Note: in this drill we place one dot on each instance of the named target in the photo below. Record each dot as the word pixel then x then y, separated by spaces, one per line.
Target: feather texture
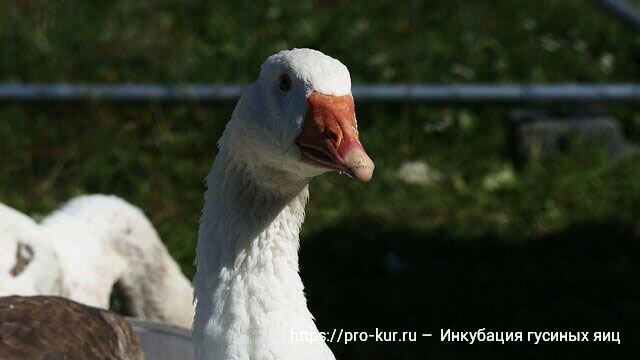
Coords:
pixel 46 327
pixel 28 266
pixel 84 249
pixel 250 301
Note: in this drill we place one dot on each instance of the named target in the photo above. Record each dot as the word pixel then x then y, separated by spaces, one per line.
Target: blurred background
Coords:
pixel 480 215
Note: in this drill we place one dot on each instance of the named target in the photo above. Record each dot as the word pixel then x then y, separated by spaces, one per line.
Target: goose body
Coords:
pixel 124 251
pixel 102 241
pixel 295 122
pixel 49 327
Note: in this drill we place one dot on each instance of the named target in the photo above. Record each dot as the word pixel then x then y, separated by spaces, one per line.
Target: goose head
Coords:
pixel 28 266
pixel 298 118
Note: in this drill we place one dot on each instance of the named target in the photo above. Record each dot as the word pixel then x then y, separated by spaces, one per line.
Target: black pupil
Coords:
pixel 285 82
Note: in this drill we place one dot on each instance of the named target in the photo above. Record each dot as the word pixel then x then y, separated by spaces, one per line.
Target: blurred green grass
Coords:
pixel 225 41
pixel 555 246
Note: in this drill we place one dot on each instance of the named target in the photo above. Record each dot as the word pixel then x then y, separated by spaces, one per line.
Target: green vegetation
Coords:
pixel 553 246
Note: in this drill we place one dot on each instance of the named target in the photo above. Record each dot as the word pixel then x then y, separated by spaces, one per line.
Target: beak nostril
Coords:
pixel 334 135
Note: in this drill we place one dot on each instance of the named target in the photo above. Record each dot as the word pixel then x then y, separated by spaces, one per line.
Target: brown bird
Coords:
pixel 49 327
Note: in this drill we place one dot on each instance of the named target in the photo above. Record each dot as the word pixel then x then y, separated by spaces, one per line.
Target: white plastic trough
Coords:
pixel 163 342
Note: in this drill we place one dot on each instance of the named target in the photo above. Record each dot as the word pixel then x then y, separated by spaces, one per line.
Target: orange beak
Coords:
pixel 330 137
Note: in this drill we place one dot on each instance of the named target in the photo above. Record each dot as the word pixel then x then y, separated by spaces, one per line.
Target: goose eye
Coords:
pixel 285 83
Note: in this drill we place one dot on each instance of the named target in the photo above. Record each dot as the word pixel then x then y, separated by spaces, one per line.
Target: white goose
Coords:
pixel 295 122
pixel 103 241
pixel 125 251
pixel 38 327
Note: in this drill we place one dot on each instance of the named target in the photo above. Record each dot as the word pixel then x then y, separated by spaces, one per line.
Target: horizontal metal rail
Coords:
pixel 622 10
pixel 476 93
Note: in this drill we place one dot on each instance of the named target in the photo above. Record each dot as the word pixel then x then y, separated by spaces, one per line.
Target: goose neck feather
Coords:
pixel 249 293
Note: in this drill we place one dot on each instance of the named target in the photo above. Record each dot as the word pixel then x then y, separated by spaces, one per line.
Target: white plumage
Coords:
pixel 99 242
pixel 295 122
pixel 28 266
pixel 250 297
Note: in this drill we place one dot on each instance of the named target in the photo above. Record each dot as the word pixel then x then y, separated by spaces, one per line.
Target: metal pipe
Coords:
pixel 475 93
pixel 507 93
pixel 623 10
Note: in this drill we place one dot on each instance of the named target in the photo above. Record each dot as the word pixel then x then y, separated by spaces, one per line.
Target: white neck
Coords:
pixel 250 297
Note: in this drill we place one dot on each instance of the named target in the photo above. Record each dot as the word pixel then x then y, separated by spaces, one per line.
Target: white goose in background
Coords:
pixel 28 266
pixel 103 241
pixel 125 251
pixel 295 122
